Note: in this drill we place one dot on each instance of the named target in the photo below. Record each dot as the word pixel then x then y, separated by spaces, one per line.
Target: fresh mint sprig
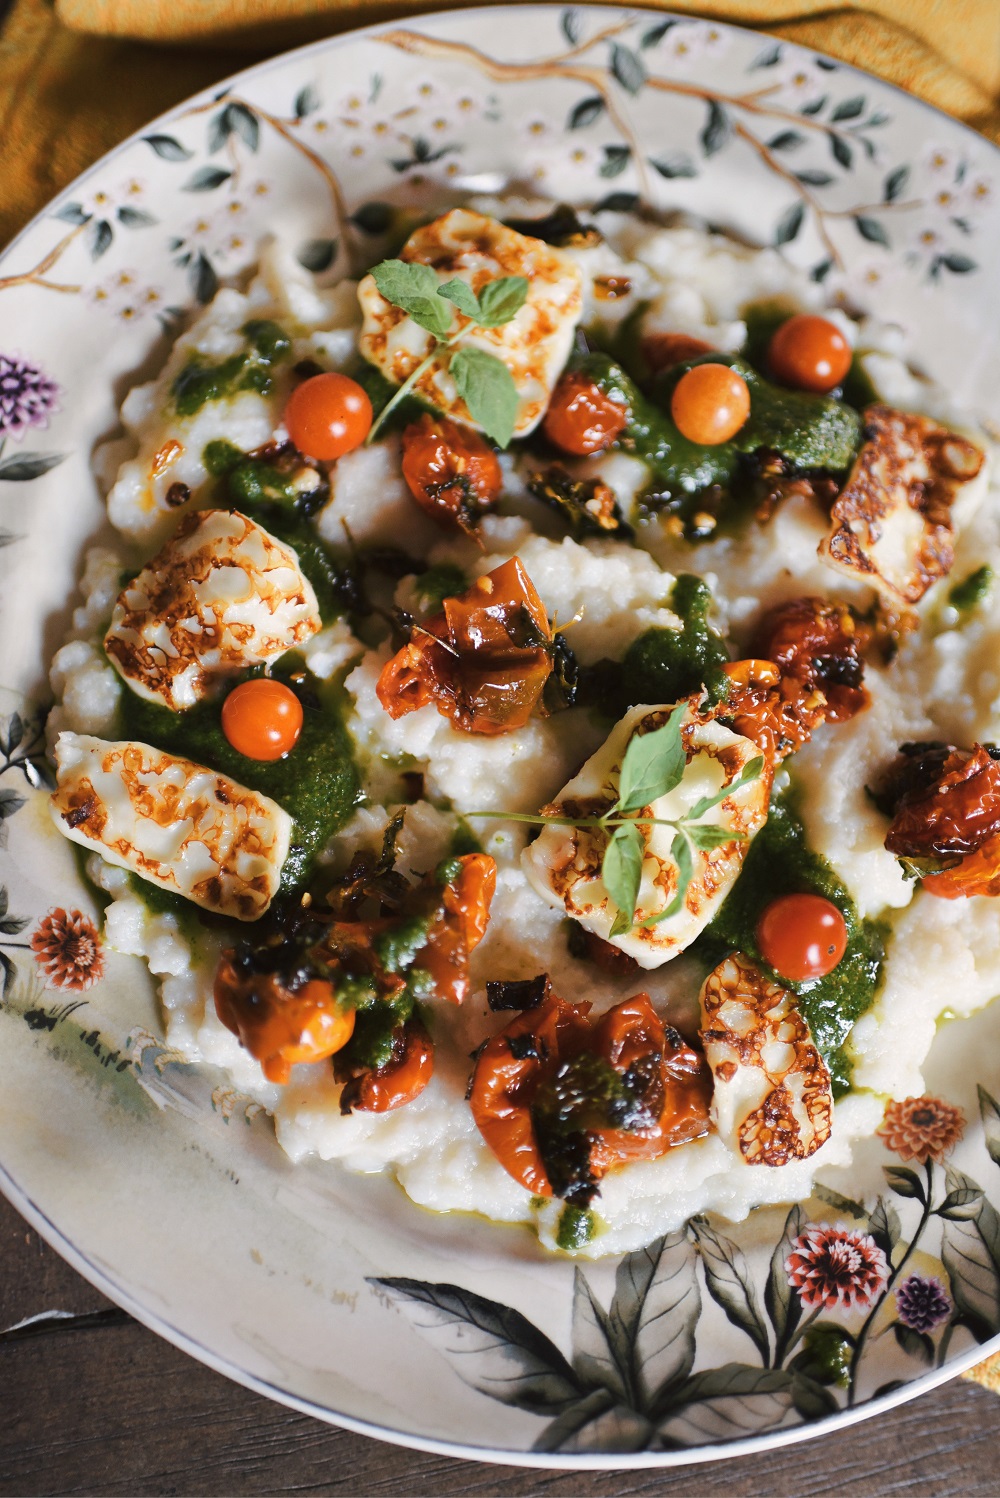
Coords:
pixel 482 380
pixel 652 766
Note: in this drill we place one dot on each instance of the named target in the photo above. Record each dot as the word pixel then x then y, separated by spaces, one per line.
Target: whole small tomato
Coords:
pixel 710 403
pixel 809 353
pixel 328 415
pixel 582 418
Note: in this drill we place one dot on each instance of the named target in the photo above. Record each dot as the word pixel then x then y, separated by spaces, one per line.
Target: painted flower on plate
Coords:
pixel 832 1267
pixel 922 1128
pixel 68 949
pixel 922 1304
pixel 27 396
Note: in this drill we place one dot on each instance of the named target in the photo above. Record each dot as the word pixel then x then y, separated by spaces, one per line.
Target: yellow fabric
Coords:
pixel 78 76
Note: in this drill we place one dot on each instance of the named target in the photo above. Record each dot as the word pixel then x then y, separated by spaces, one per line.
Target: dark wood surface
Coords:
pixel 91 1402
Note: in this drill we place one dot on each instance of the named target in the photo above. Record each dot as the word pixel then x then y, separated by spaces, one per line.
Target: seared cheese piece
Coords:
pixel 534 345
pixel 564 863
pixel 222 595
pixel 912 484
pixel 185 828
pixel 772 1099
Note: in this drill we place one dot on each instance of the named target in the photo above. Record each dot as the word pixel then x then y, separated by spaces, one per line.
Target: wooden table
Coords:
pixel 92 1402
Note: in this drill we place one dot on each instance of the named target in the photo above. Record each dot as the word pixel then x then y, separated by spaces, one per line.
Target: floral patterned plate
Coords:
pixel 329 1291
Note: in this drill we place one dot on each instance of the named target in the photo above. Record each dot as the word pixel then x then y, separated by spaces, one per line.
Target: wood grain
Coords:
pixel 94 1403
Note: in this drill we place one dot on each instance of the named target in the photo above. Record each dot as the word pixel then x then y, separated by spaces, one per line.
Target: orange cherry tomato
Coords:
pixel 581 419
pixel 710 403
pixel 663 350
pixel 328 415
pixel 276 1025
pixel 452 472
pixel 809 353
pixel 262 719
pixel 802 936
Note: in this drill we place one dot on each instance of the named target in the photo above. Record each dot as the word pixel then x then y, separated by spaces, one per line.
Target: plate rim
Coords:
pixel 101 1279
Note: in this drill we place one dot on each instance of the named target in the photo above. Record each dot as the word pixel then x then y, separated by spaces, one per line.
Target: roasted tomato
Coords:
pixel 945 807
pixel 279 1025
pixel 663 350
pixel 452 472
pixel 777 713
pixel 560 1101
pixel 483 661
pixel 819 644
pixel 344 977
pixel 581 419
pixel 379 1089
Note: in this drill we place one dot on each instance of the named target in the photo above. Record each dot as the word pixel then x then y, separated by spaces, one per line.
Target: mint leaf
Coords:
pixel 680 852
pixel 706 835
pixel 501 300
pixel 750 771
pixel 653 764
pixel 414 289
pixel 463 296
pixel 487 387
pixel 622 873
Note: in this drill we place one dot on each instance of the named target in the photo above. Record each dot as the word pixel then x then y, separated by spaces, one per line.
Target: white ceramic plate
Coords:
pixel 333 1292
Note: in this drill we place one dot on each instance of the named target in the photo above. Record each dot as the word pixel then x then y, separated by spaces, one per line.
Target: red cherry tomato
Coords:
pixel 663 350
pixel 802 936
pixel 451 472
pixel 328 415
pixel 262 719
pixel 809 353
pixel 710 403
pixel 581 419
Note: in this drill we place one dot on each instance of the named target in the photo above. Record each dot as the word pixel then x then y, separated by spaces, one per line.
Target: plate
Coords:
pixel 332 1292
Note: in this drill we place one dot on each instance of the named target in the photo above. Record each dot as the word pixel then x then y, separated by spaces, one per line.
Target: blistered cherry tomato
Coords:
pixel 710 403
pixel 277 1026
pixel 452 472
pixel 809 353
pixel 328 415
pixel 262 719
pixel 581 419
pixel 802 936
pixel 663 350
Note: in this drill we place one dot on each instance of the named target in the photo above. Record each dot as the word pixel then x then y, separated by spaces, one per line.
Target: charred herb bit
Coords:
pixel 562 688
pixel 586 1095
pixel 561 227
pixel 520 993
pixel 587 506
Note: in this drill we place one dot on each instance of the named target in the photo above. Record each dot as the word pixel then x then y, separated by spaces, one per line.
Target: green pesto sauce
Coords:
pixel 812 431
pixel 780 862
pixel 380 392
pixel 258 490
pixel 577 1226
pixel 663 665
pixel 317 783
pixel 443 580
pixel 198 382
pixel 972 590
pixel 764 318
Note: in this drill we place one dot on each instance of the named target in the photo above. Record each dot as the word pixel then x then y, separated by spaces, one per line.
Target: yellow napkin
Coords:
pixel 78 77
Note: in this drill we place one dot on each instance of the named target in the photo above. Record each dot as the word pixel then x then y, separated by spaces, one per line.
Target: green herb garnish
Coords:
pixel 482 380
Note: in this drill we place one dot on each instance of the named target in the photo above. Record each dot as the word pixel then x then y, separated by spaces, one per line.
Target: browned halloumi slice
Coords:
pixel 534 345
pixel 175 823
pixel 222 595
pixel 912 484
pixel 772 1098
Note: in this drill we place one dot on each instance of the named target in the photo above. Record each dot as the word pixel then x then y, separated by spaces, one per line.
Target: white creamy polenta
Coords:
pixel 942 955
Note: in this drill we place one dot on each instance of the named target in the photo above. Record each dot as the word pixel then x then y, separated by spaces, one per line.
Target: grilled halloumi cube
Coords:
pixel 564 863
pixel 222 595
pixel 772 1099
pixel 534 345
pixel 175 823
pixel 913 483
